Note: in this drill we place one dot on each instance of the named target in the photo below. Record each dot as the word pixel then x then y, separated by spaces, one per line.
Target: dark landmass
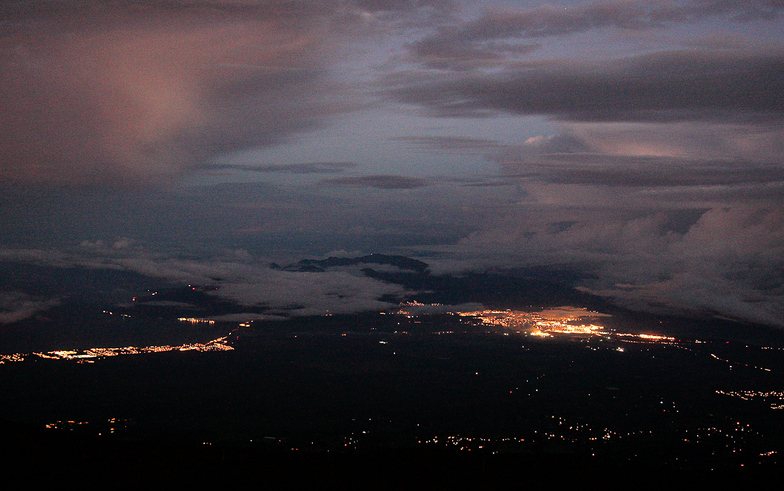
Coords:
pixel 320 265
pixel 365 392
pixel 387 400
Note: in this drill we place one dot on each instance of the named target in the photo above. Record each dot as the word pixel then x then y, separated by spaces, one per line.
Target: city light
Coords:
pixel 91 354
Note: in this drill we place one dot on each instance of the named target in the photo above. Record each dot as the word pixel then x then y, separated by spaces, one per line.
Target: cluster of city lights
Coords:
pixel 646 338
pixel 537 323
pixel 196 320
pixel 109 426
pixel 568 321
pixel 749 395
pixel 91 354
pixel 459 442
pixel 732 438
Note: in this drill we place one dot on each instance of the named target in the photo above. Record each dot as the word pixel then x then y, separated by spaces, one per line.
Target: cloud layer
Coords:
pixel 499 36
pixel 239 279
pixel 132 93
pixel 637 142
pixel 663 180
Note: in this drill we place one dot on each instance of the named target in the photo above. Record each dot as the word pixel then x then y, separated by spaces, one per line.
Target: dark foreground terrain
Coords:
pixel 436 403
pixel 155 391
pixel 46 459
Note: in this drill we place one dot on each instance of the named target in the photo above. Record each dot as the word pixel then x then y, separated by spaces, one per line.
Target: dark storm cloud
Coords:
pixel 125 93
pixel 669 86
pixel 380 182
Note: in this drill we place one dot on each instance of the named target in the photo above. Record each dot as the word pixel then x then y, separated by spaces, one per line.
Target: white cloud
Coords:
pixel 728 262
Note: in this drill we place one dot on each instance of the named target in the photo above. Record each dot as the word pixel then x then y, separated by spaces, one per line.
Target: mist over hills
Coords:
pixel 83 306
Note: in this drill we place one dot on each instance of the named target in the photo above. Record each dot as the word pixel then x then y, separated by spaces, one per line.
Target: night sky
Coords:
pixel 637 144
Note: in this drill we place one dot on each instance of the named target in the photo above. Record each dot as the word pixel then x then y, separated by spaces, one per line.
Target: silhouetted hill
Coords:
pixel 318 265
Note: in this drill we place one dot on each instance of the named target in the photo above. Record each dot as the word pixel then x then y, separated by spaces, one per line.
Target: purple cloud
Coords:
pixel 380 182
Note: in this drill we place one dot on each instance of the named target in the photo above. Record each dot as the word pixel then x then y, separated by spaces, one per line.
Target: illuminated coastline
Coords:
pixel 91 354
pixel 774 397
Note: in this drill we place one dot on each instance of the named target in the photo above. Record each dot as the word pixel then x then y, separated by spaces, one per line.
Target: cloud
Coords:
pixel 461 55
pixel 550 20
pixel 284 292
pixel 459 144
pixel 699 174
pixel 442 7
pixel 695 140
pixel 17 306
pixel 380 182
pixel 663 87
pixel 137 93
pixel 728 263
pixel 238 277
pixel 640 157
pixel 301 168
pixel 145 101
pixel 493 38
pixel 662 185
pixel 666 247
